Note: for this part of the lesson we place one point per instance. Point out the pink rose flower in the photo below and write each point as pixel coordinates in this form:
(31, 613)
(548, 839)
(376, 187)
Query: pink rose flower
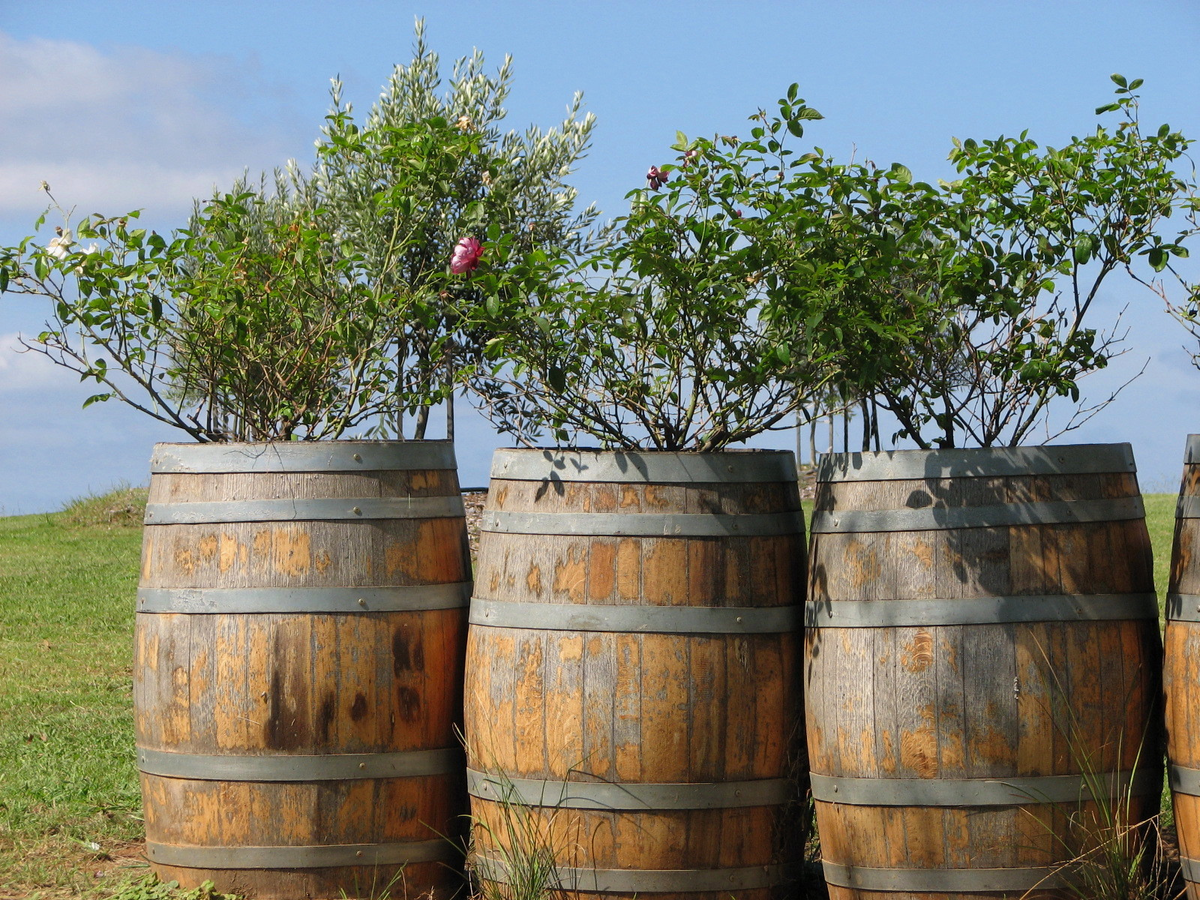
(466, 255)
(656, 177)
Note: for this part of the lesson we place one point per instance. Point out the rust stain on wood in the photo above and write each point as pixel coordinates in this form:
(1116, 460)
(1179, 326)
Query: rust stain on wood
(570, 575)
(917, 655)
(208, 547)
(533, 579)
(291, 553)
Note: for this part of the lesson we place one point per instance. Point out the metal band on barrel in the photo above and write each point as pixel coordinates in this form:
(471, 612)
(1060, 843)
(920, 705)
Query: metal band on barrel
(303, 456)
(330, 767)
(912, 465)
(950, 881)
(222, 511)
(1050, 512)
(979, 610)
(967, 792)
(626, 796)
(1191, 452)
(398, 598)
(1190, 869)
(1187, 507)
(644, 524)
(1183, 607)
(1184, 780)
(636, 619)
(325, 856)
(648, 881)
(632, 467)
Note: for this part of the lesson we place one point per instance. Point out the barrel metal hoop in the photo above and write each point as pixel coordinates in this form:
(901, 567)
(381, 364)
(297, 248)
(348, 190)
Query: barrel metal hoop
(992, 462)
(644, 524)
(1050, 512)
(1191, 452)
(316, 857)
(229, 601)
(943, 880)
(1184, 780)
(302, 456)
(979, 610)
(222, 511)
(626, 796)
(1190, 869)
(969, 792)
(331, 767)
(722, 620)
(1187, 507)
(633, 467)
(1183, 607)
(646, 881)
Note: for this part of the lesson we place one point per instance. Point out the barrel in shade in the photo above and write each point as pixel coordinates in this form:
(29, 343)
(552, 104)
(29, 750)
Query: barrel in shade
(1181, 668)
(983, 639)
(633, 697)
(298, 667)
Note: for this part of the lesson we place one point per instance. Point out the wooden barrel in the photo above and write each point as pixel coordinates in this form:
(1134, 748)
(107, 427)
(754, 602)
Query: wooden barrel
(982, 654)
(297, 674)
(1181, 676)
(633, 697)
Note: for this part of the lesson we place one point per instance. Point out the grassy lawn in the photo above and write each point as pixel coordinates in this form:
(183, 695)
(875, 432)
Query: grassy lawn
(69, 801)
(69, 806)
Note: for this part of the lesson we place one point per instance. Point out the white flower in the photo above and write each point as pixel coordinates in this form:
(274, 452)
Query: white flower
(60, 246)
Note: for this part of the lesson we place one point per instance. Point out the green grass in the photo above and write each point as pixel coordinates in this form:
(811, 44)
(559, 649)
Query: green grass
(67, 776)
(69, 804)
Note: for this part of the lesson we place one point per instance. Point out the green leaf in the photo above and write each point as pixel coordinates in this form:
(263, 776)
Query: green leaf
(901, 173)
(1118, 80)
(1158, 258)
(1084, 247)
(808, 112)
(96, 398)
(493, 306)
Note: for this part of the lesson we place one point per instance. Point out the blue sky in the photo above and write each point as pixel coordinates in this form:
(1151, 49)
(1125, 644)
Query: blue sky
(146, 105)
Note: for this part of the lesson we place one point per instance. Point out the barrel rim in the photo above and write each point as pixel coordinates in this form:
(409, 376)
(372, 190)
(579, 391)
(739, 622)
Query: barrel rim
(301, 456)
(552, 464)
(977, 462)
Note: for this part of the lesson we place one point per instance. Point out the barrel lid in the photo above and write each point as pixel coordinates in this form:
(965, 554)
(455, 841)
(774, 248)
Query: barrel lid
(644, 466)
(302, 456)
(982, 462)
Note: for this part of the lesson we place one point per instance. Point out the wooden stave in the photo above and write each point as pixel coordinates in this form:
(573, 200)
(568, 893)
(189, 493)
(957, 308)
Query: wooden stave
(405, 704)
(1181, 648)
(582, 586)
(876, 551)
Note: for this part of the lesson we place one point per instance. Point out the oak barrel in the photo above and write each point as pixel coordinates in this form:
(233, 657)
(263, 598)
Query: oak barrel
(300, 633)
(1181, 669)
(981, 654)
(633, 694)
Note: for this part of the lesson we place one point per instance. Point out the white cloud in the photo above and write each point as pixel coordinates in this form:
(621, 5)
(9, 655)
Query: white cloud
(28, 372)
(129, 128)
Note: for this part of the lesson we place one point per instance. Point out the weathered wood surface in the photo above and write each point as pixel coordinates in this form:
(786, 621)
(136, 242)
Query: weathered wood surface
(986, 701)
(1181, 673)
(638, 708)
(288, 685)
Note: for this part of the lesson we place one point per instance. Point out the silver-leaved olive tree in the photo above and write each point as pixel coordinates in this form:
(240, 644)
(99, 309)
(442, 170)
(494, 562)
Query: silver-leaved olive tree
(513, 181)
(321, 302)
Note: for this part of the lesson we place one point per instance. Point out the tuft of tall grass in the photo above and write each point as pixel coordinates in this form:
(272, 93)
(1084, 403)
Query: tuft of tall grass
(122, 506)
(520, 861)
